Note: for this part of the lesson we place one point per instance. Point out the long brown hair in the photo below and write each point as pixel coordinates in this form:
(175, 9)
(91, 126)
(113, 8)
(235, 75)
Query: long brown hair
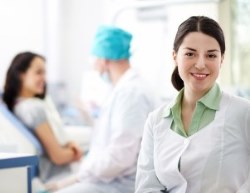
(202, 24)
(19, 65)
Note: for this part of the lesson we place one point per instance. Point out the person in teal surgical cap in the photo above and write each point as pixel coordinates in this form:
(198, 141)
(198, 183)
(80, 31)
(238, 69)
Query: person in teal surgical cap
(112, 43)
(110, 165)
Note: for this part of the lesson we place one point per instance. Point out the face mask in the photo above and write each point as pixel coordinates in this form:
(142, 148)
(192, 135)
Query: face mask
(105, 77)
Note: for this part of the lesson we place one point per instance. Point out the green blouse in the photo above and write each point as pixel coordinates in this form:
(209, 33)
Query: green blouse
(204, 112)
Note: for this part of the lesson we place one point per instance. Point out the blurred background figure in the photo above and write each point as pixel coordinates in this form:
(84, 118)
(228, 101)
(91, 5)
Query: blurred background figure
(110, 165)
(24, 94)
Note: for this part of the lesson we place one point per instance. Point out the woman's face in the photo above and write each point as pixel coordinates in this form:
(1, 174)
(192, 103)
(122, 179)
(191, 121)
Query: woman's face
(33, 80)
(199, 60)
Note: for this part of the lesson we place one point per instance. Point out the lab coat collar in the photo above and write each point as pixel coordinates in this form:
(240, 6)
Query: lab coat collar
(210, 100)
(167, 110)
(128, 75)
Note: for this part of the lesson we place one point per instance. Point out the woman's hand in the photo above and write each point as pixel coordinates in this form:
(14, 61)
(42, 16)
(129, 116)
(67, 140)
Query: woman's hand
(78, 153)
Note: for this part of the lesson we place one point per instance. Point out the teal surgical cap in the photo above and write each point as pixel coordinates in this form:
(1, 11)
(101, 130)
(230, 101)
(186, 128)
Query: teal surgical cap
(111, 43)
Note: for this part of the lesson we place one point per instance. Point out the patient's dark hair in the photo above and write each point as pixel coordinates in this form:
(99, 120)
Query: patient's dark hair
(19, 65)
(202, 24)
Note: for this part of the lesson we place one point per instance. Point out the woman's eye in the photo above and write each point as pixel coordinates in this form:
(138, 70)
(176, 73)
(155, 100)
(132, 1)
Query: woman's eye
(189, 54)
(212, 56)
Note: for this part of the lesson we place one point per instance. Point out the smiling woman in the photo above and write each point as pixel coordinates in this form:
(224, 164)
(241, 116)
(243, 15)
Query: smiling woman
(33, 81)
(197, 142)
(198, 60)
(24, 94)
(22, 76)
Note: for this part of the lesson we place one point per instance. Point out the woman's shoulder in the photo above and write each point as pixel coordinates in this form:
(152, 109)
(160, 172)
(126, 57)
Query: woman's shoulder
(159, 113)
(29, 104)
(236, 106)
(31, 112)
(237, 101)
(31, 101)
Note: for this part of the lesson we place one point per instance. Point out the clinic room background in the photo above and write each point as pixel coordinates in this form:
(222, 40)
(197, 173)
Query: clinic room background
(62, 31)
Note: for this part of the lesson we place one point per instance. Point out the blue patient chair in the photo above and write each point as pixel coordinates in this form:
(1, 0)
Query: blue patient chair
(14, 133)
(21, 128)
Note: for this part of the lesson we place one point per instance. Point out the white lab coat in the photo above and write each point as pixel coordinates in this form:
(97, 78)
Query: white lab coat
(116, 140)
(216, 159)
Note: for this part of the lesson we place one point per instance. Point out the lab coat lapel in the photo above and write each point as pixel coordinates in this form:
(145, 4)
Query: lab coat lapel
(169, 147)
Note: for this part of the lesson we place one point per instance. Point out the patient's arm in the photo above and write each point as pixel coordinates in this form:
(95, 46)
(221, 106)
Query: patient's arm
(58, 154)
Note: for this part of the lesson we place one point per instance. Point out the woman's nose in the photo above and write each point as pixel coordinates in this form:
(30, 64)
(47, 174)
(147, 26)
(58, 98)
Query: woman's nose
(200, 63)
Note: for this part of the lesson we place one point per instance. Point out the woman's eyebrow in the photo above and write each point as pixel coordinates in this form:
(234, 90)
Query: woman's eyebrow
(188, 48)
(213, 50)
(192, 49)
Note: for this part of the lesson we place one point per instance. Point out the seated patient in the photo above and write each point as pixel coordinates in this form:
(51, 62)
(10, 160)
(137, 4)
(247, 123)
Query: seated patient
(110, 165)
(24, 94)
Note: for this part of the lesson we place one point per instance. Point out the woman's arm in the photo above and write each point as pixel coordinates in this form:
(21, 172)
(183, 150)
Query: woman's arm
(146, 179)
(58, 154)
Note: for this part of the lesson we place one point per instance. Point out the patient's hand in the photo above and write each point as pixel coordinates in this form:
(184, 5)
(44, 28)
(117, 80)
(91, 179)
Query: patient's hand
(78, 153)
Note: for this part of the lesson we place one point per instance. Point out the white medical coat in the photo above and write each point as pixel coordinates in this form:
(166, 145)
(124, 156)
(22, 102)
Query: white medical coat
(216, 159)
(116, 141)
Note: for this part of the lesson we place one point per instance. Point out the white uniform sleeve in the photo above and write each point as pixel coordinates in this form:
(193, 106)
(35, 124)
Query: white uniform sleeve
(245, 188)
(129, 112)
(146, 179)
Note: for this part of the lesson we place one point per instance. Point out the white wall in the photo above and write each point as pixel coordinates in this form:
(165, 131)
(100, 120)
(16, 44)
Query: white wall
(79, 20)
(22, 28)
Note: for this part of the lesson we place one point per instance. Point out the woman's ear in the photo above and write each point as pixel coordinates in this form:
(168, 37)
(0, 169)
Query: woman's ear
(222, 59)
(174, 57)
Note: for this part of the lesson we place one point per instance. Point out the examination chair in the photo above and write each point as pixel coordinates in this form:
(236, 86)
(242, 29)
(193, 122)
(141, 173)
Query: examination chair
(16, 138)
